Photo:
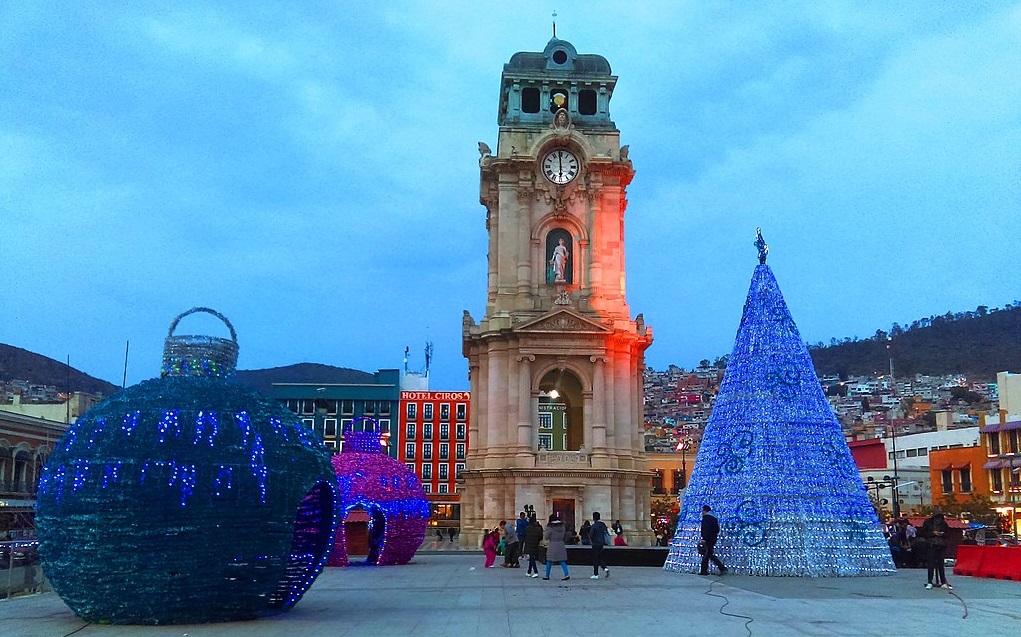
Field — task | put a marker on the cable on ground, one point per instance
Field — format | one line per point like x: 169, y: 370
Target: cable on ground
x: 726, y: 602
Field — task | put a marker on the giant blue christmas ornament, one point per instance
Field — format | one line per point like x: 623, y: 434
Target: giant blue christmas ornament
x: 774, y: 464
x: 189, y: 498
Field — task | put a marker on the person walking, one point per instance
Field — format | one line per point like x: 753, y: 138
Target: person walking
x: 597, y: 537
x: 934, y: 530
x: 556, y: 550
x: 533, y: 537
x: 489, y: 543
x: 710, y: 532
x: 586, y: 526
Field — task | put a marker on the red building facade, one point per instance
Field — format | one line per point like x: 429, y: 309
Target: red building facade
x: 434, y: 439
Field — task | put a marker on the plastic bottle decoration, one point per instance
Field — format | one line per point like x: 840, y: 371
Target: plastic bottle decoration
x: 185, y: 499
x: 386, y: 490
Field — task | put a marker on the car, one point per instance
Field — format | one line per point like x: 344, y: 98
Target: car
x: 1007, y: 539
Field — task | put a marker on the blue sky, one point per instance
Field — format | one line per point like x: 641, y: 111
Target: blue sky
x: 311, y: 169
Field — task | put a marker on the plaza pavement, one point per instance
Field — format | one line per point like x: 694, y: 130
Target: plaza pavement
x: 446, y: 592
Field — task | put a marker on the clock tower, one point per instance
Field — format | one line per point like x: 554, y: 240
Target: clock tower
x: 556, y: 362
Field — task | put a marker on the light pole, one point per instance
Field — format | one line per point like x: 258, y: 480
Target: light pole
x: 893, y: 429
x: 683, y: 447
x: 887, y: 481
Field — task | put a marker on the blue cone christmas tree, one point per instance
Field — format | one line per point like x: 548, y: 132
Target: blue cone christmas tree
x: 774, y: 465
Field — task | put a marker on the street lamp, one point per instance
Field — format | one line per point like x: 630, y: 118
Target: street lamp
x: 683, y: 446
x: 870, y: 483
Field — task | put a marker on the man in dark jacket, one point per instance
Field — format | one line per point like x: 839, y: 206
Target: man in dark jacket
x: 710, y: 532
x: 532, y: 539
x: 935, y: 530
x: 597, y: 536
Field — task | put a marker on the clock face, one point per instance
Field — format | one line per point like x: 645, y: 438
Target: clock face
x: 560, y: 166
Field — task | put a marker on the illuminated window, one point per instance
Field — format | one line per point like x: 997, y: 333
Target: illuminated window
x: 462, y: 411
x: 443, y: 488
x: 427, y: 451
x: 427, y: 411
x: 444, y: 431
x: 410, y: 431
x: 545, y: 421
x: 458, y: 470
x: 409, y: 451
x: 545, y: 441
x: 444, y: 471
x: 444, y: 450
x: 445, y: 411
x: 412, y: 411
x: 427, y: 431
x: 460, y: 451
x: 428, y: 488
x: 460, y: 431
x: 427, y: 472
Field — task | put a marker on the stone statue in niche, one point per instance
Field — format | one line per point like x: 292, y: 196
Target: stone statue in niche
x: 558, y: 257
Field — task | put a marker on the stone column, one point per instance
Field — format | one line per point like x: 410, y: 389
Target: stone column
x: 598, y: 455
x: 526, y: 433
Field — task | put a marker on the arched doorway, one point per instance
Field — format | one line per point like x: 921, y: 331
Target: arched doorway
x: 561, y: 414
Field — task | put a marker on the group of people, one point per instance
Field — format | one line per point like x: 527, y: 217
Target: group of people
x: 925, y: 546
x: 526, y: 536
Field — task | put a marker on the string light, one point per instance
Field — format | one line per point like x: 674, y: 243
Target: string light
x: 186, y: 499
x: 774, y: 465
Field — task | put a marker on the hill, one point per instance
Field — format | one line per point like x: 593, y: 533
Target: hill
x: 21, y: 364
x: 263, y: 379
x: 976, y: 344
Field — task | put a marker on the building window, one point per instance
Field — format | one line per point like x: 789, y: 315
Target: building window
x: 1012, y: 439
x: 458, y: 470
x: 462, y: 411
x: 427, y: 431
x: 586, y: 102
x: 427, y: 472
x: 445, y: 411
x: 545, y: 442
x: 412, y: 411
x: 428, y: 488
x: 460, y: 431
x: 345, y: 425
x: 369, y: 408
x: 680, y: 480
x: 545, y: 421
x: 427, y: 411
x: 409, y: 451
x: 331, y: 427
x: 657, y: 482
x: 331, y: 445
x: 308, y: 406
x: 331, y: 407
x: 427, y: 451
x: 309, y: 422
x: 443, y: 488
x: 966, y: 480
x: 444, y: 431
x: 347, y: 407
x: 923, y: 452
x: 947, y: 480
x: 384, y: 408
x: 410, y: 431
x: 530, y: 99
x: 384, y: 425
x: 444, y: 472
x: 444, y: 450
x: 912, y: 453
x: 460, y: 450
x: 994, y: 443
x: 997, y: 479
x: 410, y: 466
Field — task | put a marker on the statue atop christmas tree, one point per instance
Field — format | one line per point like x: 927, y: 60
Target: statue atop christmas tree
x: 773, y: 463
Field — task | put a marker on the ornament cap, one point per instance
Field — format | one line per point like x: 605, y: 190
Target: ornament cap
x: 198, y: 355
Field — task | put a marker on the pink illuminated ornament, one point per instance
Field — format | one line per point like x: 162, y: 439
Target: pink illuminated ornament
x: 386, y: 490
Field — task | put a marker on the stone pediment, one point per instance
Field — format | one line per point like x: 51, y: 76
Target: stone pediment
x: 559, y: 322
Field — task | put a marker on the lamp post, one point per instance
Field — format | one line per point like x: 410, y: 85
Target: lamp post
x: 870, y: 483
x: 893, y: 429
x: 683, y: 446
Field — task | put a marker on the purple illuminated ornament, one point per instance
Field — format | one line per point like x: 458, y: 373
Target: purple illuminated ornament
x: 387, y: 491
